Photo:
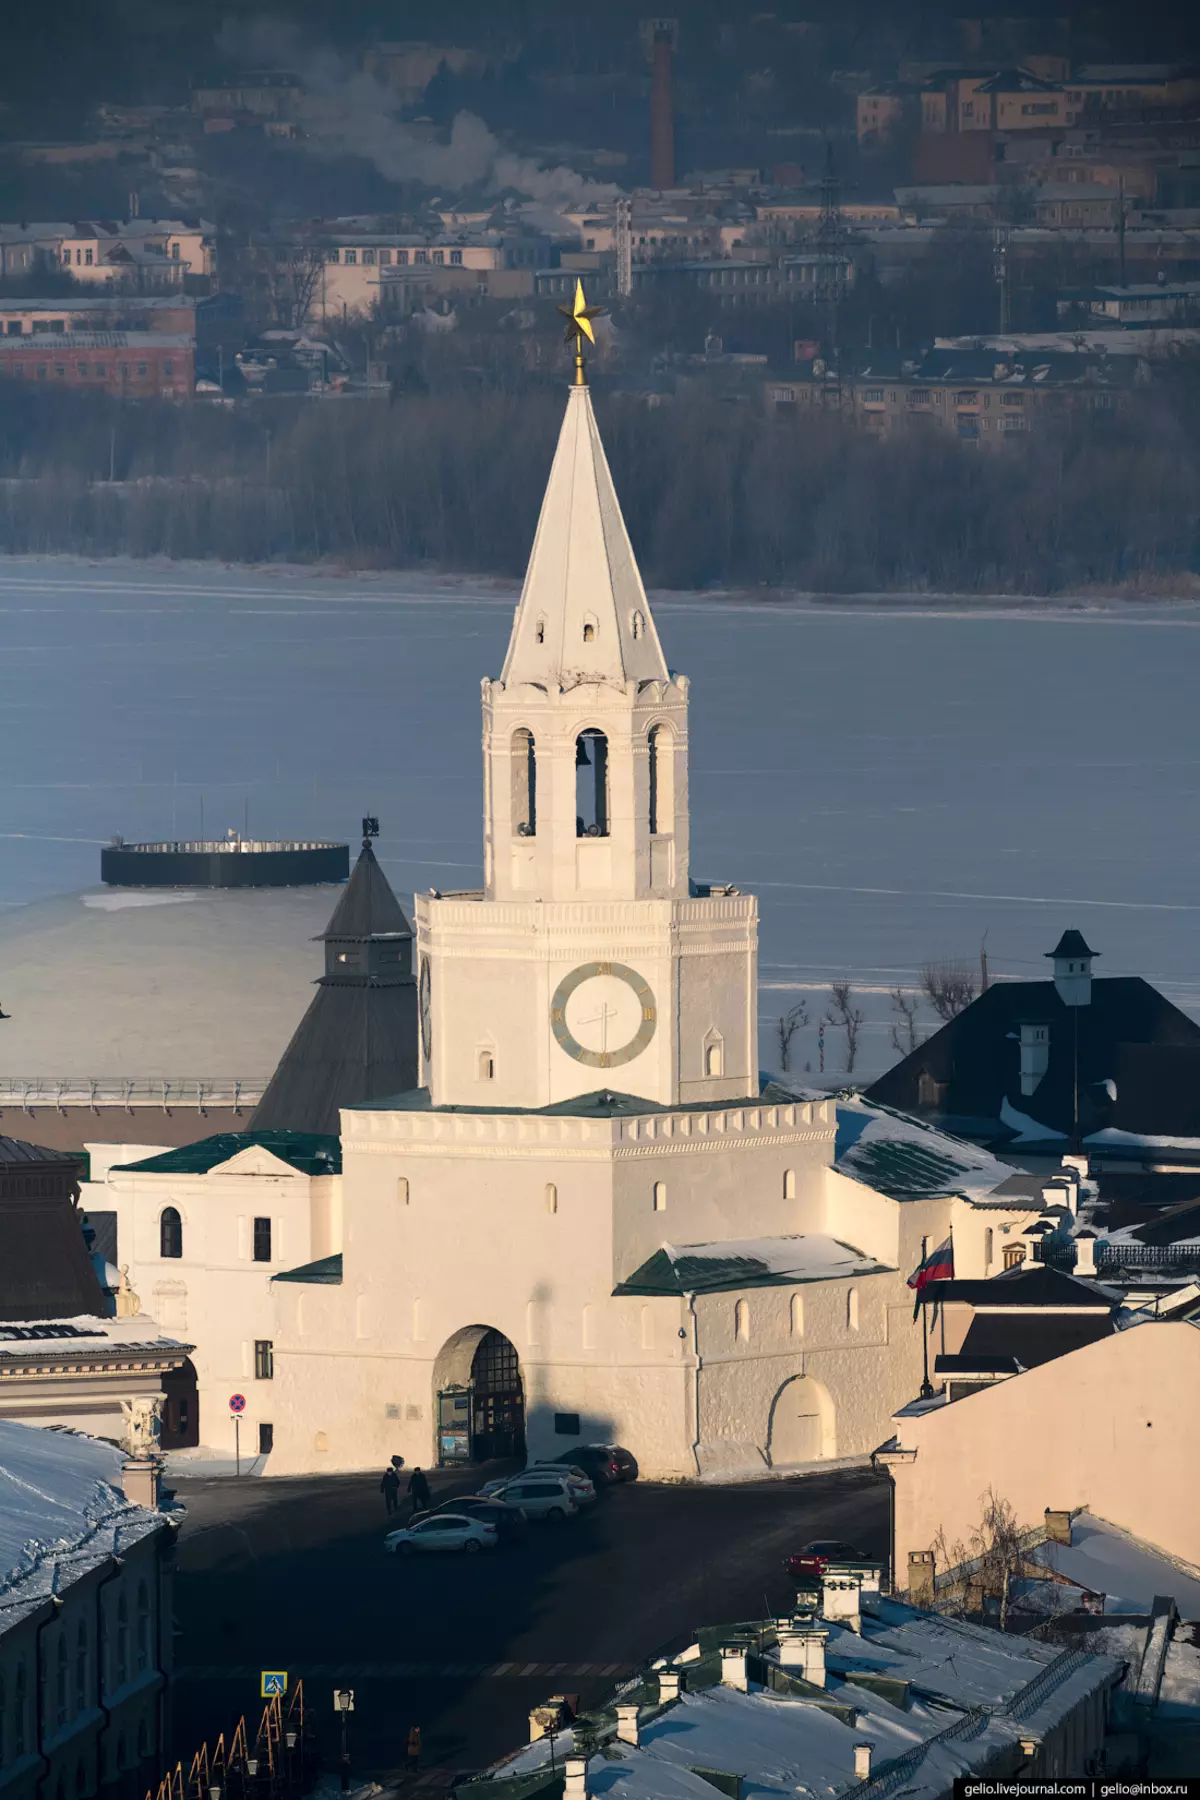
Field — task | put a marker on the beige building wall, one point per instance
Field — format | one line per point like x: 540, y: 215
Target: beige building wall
x: 1113, y: 1427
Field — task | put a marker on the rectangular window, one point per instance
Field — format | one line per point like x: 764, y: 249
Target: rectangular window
x: 266, y: 1438
x: 142, y: 368
x: 81, y: 370
x: 421, y: 256
x: 175, y: 251
x: 368, y: 258
x: 264, y: 1359
x: 14, y: 328
x: 331, y: 256
x: 350, y: 256
x: 401, y: 258
x: 873, y: 396
x: 41, y: 371
x: 168, y: 370
x: 566, y: 1425
x: 101, y: 370
x: 87, y: 257
x: 1014, y: 399
x: 59, y: 372
x: 920, y: 397
x: 456, y: 258
x: 385, y: 256
x: 262, y: 1240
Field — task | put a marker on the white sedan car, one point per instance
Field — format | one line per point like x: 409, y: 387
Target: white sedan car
x: 583, y: 1488
x: 443, y: 1531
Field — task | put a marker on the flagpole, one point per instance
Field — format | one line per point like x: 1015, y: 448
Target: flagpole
x: 926, y: 1384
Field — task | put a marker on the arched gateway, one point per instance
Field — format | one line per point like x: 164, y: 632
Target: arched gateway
x: 478, y: 1397
x: 803, y: 1426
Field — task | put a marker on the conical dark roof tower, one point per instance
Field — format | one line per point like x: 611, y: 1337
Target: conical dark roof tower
x: 358, y: 1039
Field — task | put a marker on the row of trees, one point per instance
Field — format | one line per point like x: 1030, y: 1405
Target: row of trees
x: 714, y: 495
x: 948, y: 985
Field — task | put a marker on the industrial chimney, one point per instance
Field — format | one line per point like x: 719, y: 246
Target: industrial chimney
x: 663, y: 34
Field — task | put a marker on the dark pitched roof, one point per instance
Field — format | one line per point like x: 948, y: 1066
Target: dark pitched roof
x: 325, y: 1272
x: 358, y: 1038
x: 1174, y: 1225
x: 367, y: 907
x: 1072, y: 943
x: 45, y: 1269
x: 15, y: 1151
x: 1021, y: 1287
x: 974, y: 1061
x: 1033, y: 1339
x: 313, y: 1153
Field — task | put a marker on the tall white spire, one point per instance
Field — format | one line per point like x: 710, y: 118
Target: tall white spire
x: 583, y: 614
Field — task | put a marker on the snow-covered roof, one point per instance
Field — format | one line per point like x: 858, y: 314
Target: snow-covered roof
x: 56, y: 1340
x: 747, y: 1262
x: 971, y: 1695
x: 1130, y: 1575
x: 60, y: 1498
x: 909, y: 1160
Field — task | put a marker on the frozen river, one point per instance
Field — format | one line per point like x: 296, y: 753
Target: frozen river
x: 892, y: 781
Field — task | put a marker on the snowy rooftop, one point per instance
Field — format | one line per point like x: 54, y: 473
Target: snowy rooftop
x: 1130, y: 1575
x: 972, y: 1694
x: 908, y: 1160
x: 60, y: 1496
x: 747, y: 1262
x: 87, y: 1335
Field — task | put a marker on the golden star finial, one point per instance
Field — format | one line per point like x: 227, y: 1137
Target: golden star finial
x: 579, y: 316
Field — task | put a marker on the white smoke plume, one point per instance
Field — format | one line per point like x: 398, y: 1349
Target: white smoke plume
x: 347, y: 112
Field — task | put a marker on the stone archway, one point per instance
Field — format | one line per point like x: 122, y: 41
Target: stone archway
x: 803, y: 1425
x: 478, y: 1396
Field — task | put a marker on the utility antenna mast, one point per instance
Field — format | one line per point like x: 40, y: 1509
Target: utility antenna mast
x: 831, y: 252
x: 625, y: 247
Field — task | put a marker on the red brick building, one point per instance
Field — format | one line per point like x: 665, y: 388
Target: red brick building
x: 133, y: 365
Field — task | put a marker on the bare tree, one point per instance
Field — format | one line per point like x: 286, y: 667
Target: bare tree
x: 845, y: 1017
x: 904, y: 1029
x: 986, y: 1565
x: 786, y: 1027
x: 951, y: 986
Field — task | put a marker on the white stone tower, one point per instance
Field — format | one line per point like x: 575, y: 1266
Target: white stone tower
x: 590, y: 960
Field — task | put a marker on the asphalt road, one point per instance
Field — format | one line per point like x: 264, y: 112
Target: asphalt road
x: 291, y: 1575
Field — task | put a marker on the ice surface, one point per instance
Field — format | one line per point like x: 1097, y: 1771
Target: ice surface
x: 892, y: 781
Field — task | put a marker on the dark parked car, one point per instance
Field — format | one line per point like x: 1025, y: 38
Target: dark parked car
x: 603, y: 1463
x: 815, y: 1558
x: 509, y: 1521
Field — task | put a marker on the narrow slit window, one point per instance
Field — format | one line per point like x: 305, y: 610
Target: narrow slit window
x: 660, y: 1196
x: 487, y: 1066
x: 741, y: 1321
x: 524, y: 783
x: 662, y: 766
x: 539, y: 631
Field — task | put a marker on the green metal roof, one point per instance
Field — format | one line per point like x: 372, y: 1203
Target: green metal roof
x: 325, y: 1272
x: 312, y: 1153
x: 708, y: 1273
x: 905, y: 1170
x: 602, y: 1103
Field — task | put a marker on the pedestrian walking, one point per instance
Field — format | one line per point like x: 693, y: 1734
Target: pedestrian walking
x: 418, y: 1491
x: 389, y: 1487
x: 414, y: 1749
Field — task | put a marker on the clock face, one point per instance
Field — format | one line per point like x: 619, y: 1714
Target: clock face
x: 603, y: 1014
x: 423, y: 1000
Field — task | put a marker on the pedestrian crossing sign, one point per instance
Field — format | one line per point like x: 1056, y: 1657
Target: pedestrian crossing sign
x: 274, y: 1684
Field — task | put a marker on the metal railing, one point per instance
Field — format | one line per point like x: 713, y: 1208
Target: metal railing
x: 165, y: 1091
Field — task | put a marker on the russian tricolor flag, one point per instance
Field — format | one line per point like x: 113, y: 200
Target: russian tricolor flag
x: 936, y: 1265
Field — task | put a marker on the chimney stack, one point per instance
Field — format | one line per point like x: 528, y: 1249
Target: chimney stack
x: 575, y: 1773
x: 662, y: 105
x: 733, y: 1667
x: 670, y: 1685
x: 802, y: 1649
x: 862, y: 1762
x: 841, y: 1597
x: 627, y: 1723
x: 1085, y: 1254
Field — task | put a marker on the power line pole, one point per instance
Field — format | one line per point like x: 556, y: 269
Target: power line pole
x: 1000, y: 247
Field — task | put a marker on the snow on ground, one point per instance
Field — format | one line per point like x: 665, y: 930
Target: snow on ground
x: 894, y: 780
x: 1179, y: 1695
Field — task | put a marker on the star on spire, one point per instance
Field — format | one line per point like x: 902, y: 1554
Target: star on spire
x: 579, y: 316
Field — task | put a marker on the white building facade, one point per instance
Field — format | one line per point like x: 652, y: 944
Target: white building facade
x: 199, y: 1233
x: 593, y: 1221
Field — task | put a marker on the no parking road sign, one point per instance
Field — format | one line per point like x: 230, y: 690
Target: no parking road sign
x: 237, y: 1403
x: 274, y: 1682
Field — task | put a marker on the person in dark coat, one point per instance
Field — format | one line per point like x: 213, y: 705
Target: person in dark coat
x: 389, y: 1487
x: 418, y: 1491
